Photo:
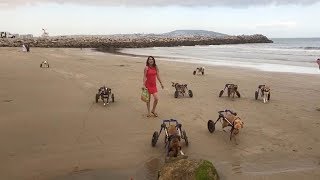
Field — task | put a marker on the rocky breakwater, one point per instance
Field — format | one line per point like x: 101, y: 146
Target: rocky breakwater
x: 131, y: 41
x: 186, y: 169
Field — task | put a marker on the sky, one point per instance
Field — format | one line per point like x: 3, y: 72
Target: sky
x: 273, y: 18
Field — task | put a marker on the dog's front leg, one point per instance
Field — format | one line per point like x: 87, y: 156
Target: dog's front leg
x: 235, y: 140
x: 231, y: 134
x: 104, y: 103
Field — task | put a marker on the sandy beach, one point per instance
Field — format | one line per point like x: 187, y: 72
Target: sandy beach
x: 51, y: 128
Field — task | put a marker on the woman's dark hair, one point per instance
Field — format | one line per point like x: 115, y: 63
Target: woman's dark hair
x: 154, y: 62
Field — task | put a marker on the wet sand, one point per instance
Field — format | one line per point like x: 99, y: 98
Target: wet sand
x: 51, y: 128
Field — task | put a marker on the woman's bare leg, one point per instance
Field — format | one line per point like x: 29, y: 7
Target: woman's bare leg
x: 155, y: 102
x: 148, y: 106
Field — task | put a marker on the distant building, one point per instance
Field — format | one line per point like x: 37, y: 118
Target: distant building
x: 26, y: 36
x: 6, y: 35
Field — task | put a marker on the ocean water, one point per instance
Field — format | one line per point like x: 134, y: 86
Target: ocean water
x: 297, y: 55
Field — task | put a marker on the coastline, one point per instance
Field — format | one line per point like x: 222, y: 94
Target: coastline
x: 117, y: 51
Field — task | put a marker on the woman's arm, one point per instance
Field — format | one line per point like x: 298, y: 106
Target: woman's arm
x: 158, y: 77
x: 144, y: 77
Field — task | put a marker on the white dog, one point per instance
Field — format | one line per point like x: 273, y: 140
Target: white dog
x: 265, y: 94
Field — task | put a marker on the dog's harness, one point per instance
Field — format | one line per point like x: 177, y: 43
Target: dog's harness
x: 264, y: 90
x: 231, y: 86
x: 229, y: 123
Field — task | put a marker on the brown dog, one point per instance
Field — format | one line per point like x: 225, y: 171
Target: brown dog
x: 174, y: 141
x: 235, y: 121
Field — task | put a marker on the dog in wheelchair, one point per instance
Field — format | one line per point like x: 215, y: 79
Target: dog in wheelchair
x: 232, y: 90
x: 181, y: 89
x: 227, y: 118
x: 199, y: 70
x: 265, y: 93
x: 44, y: 64
x: 173, y: 137
x: 104, y: 93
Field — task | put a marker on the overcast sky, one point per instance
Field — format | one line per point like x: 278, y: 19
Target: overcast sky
x: 274, y: 18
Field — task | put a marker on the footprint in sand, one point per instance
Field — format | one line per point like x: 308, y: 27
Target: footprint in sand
x: 236, y: 168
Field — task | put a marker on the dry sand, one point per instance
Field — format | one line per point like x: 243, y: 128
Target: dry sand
x: 51, y: 128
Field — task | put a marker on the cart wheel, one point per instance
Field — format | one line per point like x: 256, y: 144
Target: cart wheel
x: 202, y: 72
x: 97, y: 98
x: 112, y: 97
x: 194, y: 72
x: 185, y: 137
x: 221, y: 92
x: 190, y: 93
x: 211, y: 126
x: 41, y: 65
x: 238, y: 94
x: 269, y: 96
x: 48, y: 65
x: 256, y: 95
x: 176, y: 94
x: 155, y: 137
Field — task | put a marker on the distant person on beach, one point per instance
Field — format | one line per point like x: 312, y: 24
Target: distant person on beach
x: 318, y: 61
x: 28, y: 47
x: 24, y: 49
x: 151, y: 74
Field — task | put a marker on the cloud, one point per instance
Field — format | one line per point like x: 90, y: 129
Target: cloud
x: 227, y: 3
x: 279, y: 24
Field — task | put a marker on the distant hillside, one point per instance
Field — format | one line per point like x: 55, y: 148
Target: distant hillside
x: 194, y: 33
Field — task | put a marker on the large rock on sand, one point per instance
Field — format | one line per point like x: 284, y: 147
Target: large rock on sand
x: 185, y: 169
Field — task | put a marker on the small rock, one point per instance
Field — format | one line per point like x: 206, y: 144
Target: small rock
x: 183, y: 169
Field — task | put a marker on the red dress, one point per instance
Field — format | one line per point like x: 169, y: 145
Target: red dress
x: 151, y: 82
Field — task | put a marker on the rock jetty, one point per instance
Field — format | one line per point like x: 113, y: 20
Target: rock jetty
x: 130, y: 41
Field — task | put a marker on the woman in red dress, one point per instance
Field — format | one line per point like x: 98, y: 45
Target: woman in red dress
x: 151, y: 74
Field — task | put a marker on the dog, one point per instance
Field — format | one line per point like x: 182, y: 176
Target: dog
x: 105, y: 93
x: 44, y: 64
x: 235, y: 122
x: 174, y: 146
x: 180, y: 87
x: 265, y: 92
x: 199, y: 70
x: 232, y: 89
